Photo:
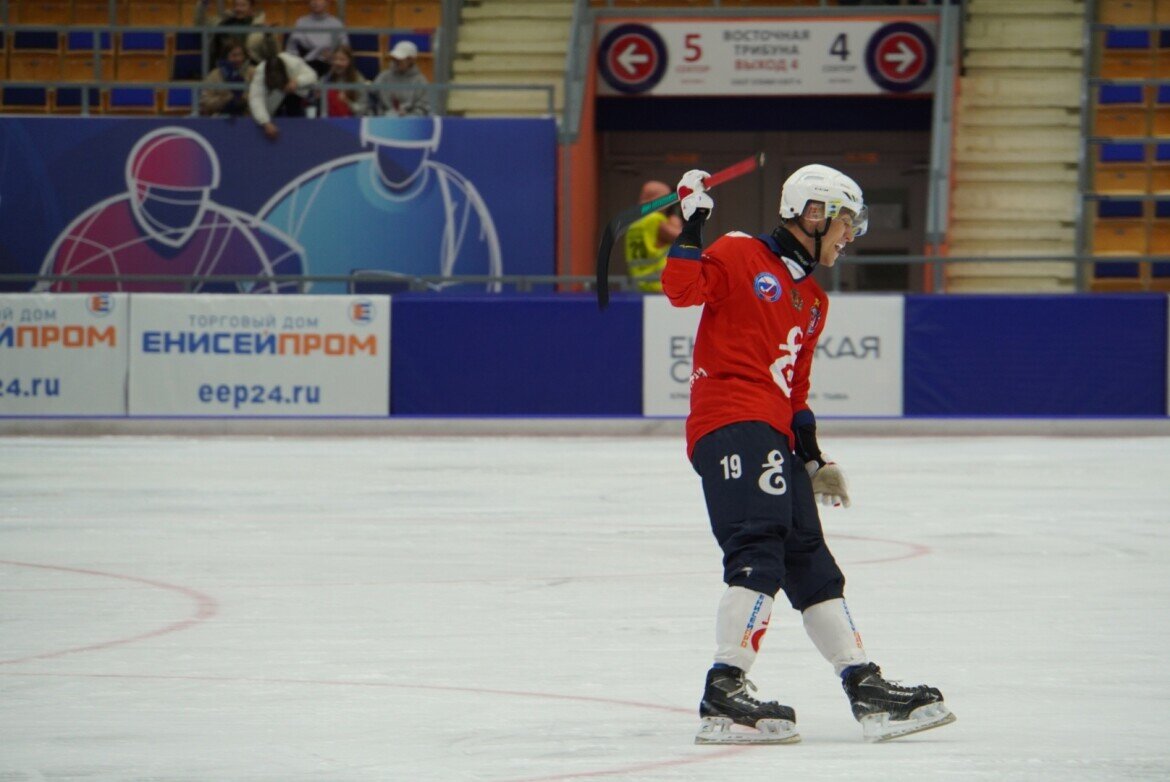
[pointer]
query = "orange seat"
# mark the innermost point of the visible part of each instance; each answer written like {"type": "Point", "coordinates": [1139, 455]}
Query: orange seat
{"type": "Point", "coordinates": [1126, 12]}
{"type": "Point", "coordinates": [97, 12]}
{"type": "Point", "coordinates": [154, 14]}
{"type": "Point", "coordinates": [368, 14]}
{"type": "Point", "coordinates": [1118, 121]}
{"type": "Point", "coordinates": [141, 67]}
{"type": "Point", "coordinates": [1121, 178]}
{"type": "Point", "coordinates": [417, 15]}
{"type": "Point", "coordinates": [1119, 236]}
{"type": "Point", "coordinates": [1160, 237]}
{"type": "Point", "coordinates": [41, 12]}
{"type": "Point", "coordinates": [1127, 64]}
{"type": "Point", "coordinates": [34, 66]}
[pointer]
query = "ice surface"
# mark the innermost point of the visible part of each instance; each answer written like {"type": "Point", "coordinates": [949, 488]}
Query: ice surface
{"type": "Point", "coordinates": [542, 608]}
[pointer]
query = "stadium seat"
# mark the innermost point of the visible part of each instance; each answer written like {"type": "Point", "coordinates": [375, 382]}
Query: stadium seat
{"type": "Point", "coordinates": [187, 67]}
{"type": "Point", "coordinates": [1161, 112]}
{"type": "Point", "coordinates": [24, 99]}
{"type": "Point", "coordinates": [1127, 55]}
{"type": "Point", "coordinates": [154, 13]}
{"type": "Point", "coordinates": [77, 62]}
{"type": "Point", "coordinates": [131, 100]}
{"type": "Point", "coordinates": [420, 16]}
{"type": "Point", "coordinates": [40, 12]}
{"type": "Point", "coordinates": [34, 66]}
{"type": "Point", "coordinates": [142, 57]}
{"type": "Point", "coordinates": [368, 13]}
{"type": "Point", "coordinates": [1121, 111]}
{"type": "Point", "coordinates": [279, 14]}
{"type": "Point", "coordinates": [368, 65]}
{"type": "Point", "coordinates": [97, 12]}
{"type": "Point", "coordinates": [1160, 170]}
{"type": "Point", "coordinates": [68, 100]}
{"type": "Point", "coordinates": [178, 100]}
{"type": "Point", "coordinates": [1120, 228]}
{"type": "Point", "coordinates": [1126, 12]}
{"type": "Point", "coordinates": [34, 56]}
{"type": "Point", "coordinates": [1121, 169]}
{"type": "Point", "coordinates": [364, 42]}
{"type": "Point", "coordinates": [188, 42]}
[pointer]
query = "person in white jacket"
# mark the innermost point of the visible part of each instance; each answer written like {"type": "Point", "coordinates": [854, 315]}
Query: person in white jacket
{"type": "Point", "coordinates": [278, 88]}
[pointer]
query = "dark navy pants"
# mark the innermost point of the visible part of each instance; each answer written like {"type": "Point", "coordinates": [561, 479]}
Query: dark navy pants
{"type": "Point", "coordinates": [764, 515]}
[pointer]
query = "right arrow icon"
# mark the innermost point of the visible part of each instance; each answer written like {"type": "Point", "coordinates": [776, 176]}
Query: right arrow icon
{"type": "Point", "coordinates": [903, 58]}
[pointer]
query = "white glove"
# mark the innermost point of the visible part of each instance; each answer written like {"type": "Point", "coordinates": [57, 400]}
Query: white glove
{"type": "Point", "coordinates": [828, 483]}
{"type": "Point", "coordinates": [692, 193]}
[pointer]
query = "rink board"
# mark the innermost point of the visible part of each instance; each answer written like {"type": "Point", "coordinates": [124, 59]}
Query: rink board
{"type": "Point", "coordinates": [556, 355]}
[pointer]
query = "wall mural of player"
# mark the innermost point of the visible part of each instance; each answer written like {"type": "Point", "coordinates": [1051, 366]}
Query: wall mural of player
{"type": "Point", "coordinates": [388, 211]}
{"type": "Point", "coordinates": [167, 224]}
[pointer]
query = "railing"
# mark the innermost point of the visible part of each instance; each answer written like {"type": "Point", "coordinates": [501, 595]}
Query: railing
{"type": "Point", "coordinates": [322, 102]}
{"type": "Point", "coordinates": [520, 283]}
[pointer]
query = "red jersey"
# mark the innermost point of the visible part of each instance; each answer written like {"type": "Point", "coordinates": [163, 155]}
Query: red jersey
{"type": "Point", "coordinates": [762, 317]}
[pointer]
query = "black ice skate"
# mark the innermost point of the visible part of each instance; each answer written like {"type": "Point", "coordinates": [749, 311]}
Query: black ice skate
{"type": "Point", "coordinates": [887, 710]}
{"type": "Point", "coordinates": [726, 704]}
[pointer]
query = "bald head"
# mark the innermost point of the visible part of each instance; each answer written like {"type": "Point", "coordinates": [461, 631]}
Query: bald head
{"type": "Point", "coordinates": [653, 189]}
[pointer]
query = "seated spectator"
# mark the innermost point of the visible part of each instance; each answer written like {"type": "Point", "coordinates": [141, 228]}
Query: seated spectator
{"type": "Point", "coordinates": [345, 103]}
{"type": "Point", "coordinates": [278, 89]}
{"type": "Point", "coordinates": [397, 87]}
{"type": "Point", "coordinates": [233, 69]}
{"type": "Point", "coordinates": [316, 35]}
{"type": "Point", "coordinates": [241, 14]}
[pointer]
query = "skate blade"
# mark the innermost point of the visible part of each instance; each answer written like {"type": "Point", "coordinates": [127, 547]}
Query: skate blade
{"type": "Point", "coordinates": [879, 727]}
{"type": "Point", "coordinates": [723, 730]}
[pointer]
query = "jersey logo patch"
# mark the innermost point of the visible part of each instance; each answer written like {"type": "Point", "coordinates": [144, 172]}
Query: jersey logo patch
{"type": "Point", "coordinates": [767, 287]}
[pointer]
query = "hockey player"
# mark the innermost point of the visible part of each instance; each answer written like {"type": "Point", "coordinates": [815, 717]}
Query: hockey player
{"type": "Point", "coordinates": [751, 437]}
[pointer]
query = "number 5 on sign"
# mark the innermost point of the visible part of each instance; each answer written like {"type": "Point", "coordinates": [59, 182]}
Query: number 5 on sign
{"type": "Point", "coordinates": [694, 51]}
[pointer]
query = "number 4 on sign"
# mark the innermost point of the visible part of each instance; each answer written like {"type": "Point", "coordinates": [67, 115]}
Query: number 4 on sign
{"type": "Point", "coordinates": [840, 47]}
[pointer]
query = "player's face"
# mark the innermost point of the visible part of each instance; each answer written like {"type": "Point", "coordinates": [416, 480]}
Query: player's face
{"type": "Point", "coordinates": [840, 233]}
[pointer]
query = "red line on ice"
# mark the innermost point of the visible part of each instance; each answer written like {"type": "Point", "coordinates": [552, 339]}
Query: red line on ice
{"type": "Point", "coordinates": [205, 608]}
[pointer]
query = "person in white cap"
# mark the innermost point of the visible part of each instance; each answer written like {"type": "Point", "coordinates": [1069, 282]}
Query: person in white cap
{"type": "Point", "coordinates": [401, 88]}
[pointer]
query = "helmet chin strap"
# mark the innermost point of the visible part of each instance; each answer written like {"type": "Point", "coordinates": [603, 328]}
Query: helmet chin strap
{"type": "Point", "coordinates": [816, 236]}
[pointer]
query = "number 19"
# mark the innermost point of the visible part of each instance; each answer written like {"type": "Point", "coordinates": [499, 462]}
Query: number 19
{"type": "Point", "coordinates": [732, 466]}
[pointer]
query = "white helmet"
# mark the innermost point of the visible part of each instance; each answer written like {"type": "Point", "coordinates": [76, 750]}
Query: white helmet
{"type": "Point", "coordinates": [828, 186]}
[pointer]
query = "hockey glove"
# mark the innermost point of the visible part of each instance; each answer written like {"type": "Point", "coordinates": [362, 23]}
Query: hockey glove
{"type": "Point", "coordinates": [828, 483]}
{"type": "Point", "coordinates": [692, 195]}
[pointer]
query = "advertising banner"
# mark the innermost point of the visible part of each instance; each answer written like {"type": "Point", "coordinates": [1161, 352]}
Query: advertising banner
{"type": "Point", "coordinates": [369, 201]}
{"type": "Point", "coordinates": [668, 342]}
{"type": "Point", "coordinates": [219, 355]}
{"type": "Point", "coordinates": [63, 354]}
{"type": "Point", "coordinates": [728, 57]}
{"type": "Point", "coordinates": [857, 370]}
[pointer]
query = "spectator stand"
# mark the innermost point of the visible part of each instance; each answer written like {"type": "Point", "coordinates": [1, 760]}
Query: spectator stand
{"type": "Point", "coordinates": [137, 57]}
{"type": "Point", "coordinates": [1127, 190]}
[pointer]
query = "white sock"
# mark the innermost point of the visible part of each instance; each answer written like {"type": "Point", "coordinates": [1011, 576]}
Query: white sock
{"type": "Point", "coordinates": [740, 625]}
{"type": "Point", "coordinates": [831, 629]}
